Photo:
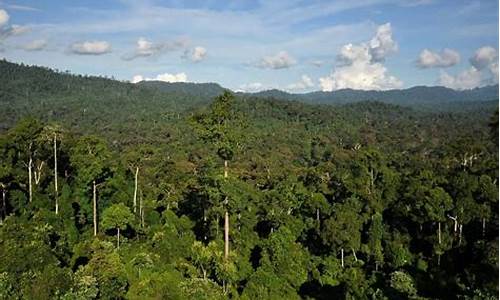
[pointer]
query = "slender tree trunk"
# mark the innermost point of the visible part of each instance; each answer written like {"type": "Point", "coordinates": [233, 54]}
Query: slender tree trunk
{"type": "Point", "coordinates": [226, 236]}
{"type": "Point", "coordinates": [135, 189]}
{"type": "Point", "coordinates": [460, 234]}
{"type": "Point", "coordinates": [30, 165]}
{"type": "Point", "coordinates": [118, 238]}
{"type": "Point", "coordinates": [226, 219]}
{"type": "Point", "coordinates": [439, 260]}
{"type": "Point", "coordinates": [94, 202]}
{"type": "Point", "coordinates": [342, 256]}
{"type": "Point", "coordinates": [439, 232]}
{"type": "Point", "coordinates": [354, 253]}
{"type": "Point", "coordinates": [55, 174]}
{"type": "Point", "coordinates": [4, 203]}
{"type": "Point", "coordinates": [141, 210]}
{"type": "Point", "coordinates": [317, 215]}
{"type": "Point", "coordinates": [484, 227]}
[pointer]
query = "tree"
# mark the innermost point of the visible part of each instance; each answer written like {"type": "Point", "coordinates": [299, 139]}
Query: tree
{"type": "Point", "coordinates": [117, 216]}
{"type": "Point", "coordinates": [343, 229]}
{"type": "Point", "coordinates": [221, 127]}
{"type": "Point", "coordinates": [90, 157]}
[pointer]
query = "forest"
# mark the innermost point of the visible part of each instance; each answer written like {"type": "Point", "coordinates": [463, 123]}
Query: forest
{"type": "Point", "coordinates": [114, 190]}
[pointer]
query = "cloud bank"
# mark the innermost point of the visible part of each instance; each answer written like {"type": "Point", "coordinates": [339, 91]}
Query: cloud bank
{"type": "Point", "coordinates": [483, 71]}
{"type": "Point", "coordinates": [360, 66]}
{"type": "Point", "coordinates": [430, 59]}
{"type": "Point", "coordinates": [166, 77]}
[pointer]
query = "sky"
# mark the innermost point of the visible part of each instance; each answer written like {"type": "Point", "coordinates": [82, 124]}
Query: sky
{"type": "Point", "coordinates": [292, 45]}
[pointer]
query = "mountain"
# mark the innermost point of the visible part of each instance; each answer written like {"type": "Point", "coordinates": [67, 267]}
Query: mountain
{"type": "Point", "coordinates": [419, 96]}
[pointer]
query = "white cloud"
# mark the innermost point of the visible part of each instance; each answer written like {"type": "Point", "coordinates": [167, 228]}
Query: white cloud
{"type": "Point", "coordinates": [90, 48]}
{"type": "Point", "coordinates": [4, 17]}
{"type": "Point", "coordinates": [484, 57]}
{"type": "Point", "coordinates": [483, 71]}
{"type": "Point", "coordinates": [137, 78]}
{"type": "Point", "coordinates": [382, 44]}
{"type": "Point", "coordinates": [145, 48]}
{"type": "Point", "coordinates": [35, 45]}
{"type": "Point", "coordinates": [360, 67]}
{"type": "Point", "coordinates": [304, 83]}
{"type": "Point", "coordinates": [281, 60]}
{"type": "Point", "coordinates": [166, 77]}
{"type": "Point", "coordinates": [430, 59]}
{"type": "Point", "coordinates": [467, 79]}
{"type": "Point", "coordinates": [251, 87]}
{"type": "Point", "coordinates": [196, 54]}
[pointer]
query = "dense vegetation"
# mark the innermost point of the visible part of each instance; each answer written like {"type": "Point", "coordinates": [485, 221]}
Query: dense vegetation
{"type": "Point", "coordinates": [113, 190]}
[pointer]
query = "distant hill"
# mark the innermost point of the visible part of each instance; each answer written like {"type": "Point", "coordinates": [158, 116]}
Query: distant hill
{"type": "Point", "coordinates": [436, 97]}
{"type": "Point", "coordinates": [209, 90]}
{"type": "Point", "coordinates": [426, 97]}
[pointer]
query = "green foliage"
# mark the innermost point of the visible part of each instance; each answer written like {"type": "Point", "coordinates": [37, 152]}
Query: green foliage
{"type": "Point", "coordinates": [385, 184]}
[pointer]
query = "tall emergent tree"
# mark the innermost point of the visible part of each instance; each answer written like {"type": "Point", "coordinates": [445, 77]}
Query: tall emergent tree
{"type": "Point", "coordinates": [90, 156]}
{"type": "Point", "coordinates": [220, 126]}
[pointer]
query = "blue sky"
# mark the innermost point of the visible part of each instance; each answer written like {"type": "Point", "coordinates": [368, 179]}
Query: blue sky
{"type": "Point", "coordinates": [297, 46]}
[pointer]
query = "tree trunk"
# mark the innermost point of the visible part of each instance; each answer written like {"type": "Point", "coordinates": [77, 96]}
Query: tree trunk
{"type": "Point", "coordinates": [135, 189]}
{"type": "Point", "coordinates": [317, 215]}
{"type": "Point", "coordinates": [226, 219]}
{"type": "Point", "coordinates": [55, 174]}
{"type": "Point", "coordinates": [118, 238]}
{"type": "Point", "coordinates": [460, 234]}
{"type": "Point", "coordinates": [342, 256]}
{"type": "Point", "coordinates": [354, 253]}
{"type": "Point", "coordinates": [439, 232]}
{"type": "Point", "coordinates": [4, 210]}
{"type": "Point", "coordinates": [141, 210]}
{"type": "Point", "coordinates": [30, 164]}
{"type": "Point", "coordinates": [94, 202]}
{"type": "Point", "coordinates": [484, 227]}
{"type": "Point", "coordinates": [226, 236]}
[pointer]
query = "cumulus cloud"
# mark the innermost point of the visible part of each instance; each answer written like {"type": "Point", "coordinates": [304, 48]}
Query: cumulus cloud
{"type": "Point", "coordinates": [281, 60]}
{"type": "Point", "coordinates": [90, 48]}
{"type": "Point", "coordinates": [483, 71]}
{"type": "Point", "coordinates": [484, 57]}
{"type": "Point", "coordinates": [382, 44]}
{"type": "Point", "coordinates": [431, 59]}
{"type": "Point", "coordinates": [467, 79]}
{"type": "Point", "coordinates": [145, 48]}
{"type": "Point", "coordinates": [196, 54]}
{"type": "Point", "coordinates": [304, 83]}
{"type": "Point", "coordinates": [360, 66]}
{"type": "Point", "coordinates": [35, 45]}
{"type": "Point", "coordinates": [4, 18]}
{"type": "Point", "coordinates": [166, 77]}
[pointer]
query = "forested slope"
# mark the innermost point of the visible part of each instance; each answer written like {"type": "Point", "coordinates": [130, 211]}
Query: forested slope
{"type": "Point", "coordinates": [365, 200]}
